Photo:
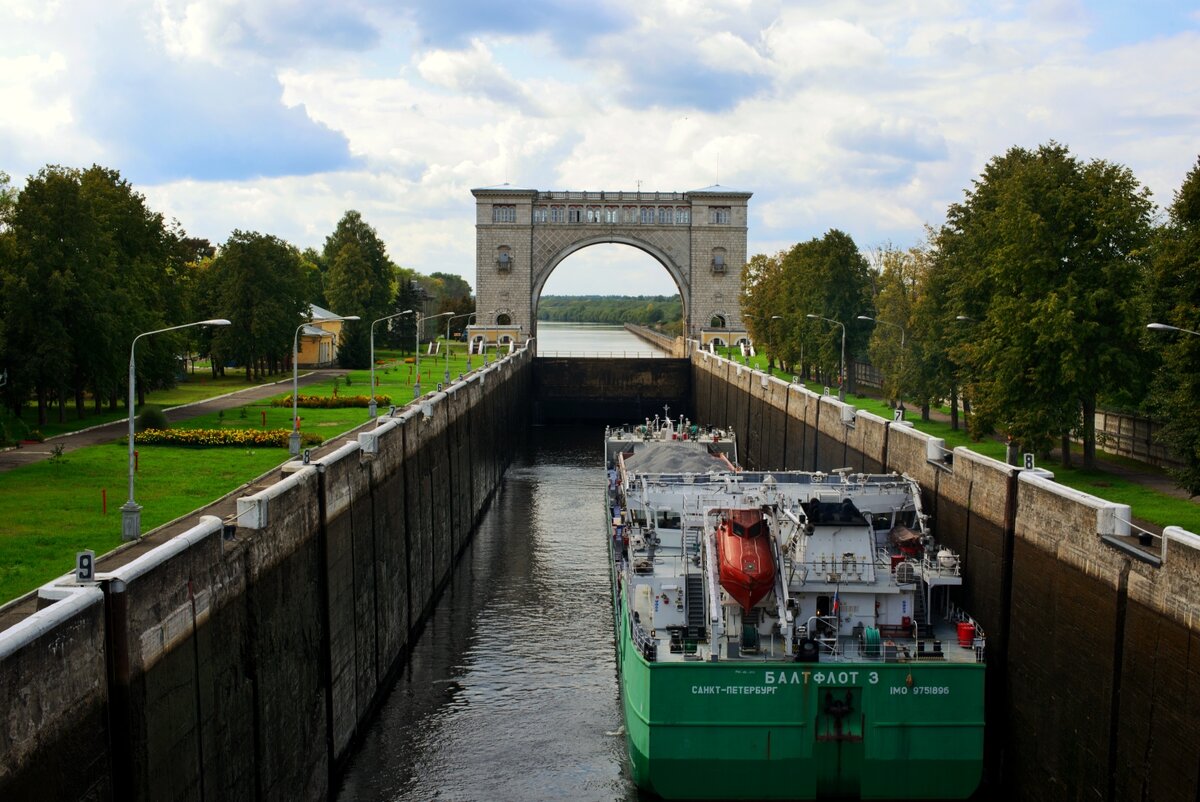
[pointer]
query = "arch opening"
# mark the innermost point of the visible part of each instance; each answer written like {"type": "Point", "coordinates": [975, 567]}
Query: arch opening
{"type": "Point", "coordinates": [610, 265]}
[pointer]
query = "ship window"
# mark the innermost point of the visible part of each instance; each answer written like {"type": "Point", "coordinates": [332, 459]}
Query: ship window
{"type": "Point", "coordinates": [666, 519]}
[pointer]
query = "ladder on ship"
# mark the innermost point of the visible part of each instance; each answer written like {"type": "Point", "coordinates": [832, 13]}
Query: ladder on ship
{"type": "Point", "coordinates": [694, 604]}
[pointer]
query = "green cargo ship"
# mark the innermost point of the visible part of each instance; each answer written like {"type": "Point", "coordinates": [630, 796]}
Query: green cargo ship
{"type": "Point", "coordinates": [785, 635]}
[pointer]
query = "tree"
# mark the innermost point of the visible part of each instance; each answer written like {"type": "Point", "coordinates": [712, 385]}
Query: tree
{"type": "Point", "coordinates": [258, 283]}
{"type": "Point", "coordinates": [896, 287]}
{"type": "Point", "coordinates": [359, 282]}
{"type": "Point", "coordinates": [84, 272]}
{"type": "Point", "coordinates": [1173, 297]}
{"type": "Point", "coordinates": [831, 278]}
{"type": "Point", "coordinates": [1045, 251]}
{"type": "Point", "coordinates": [761, 301]}
{"type": "Point", "coordinates": [452, 293]}
{"type": "Point", "coordinates": [933, 333]}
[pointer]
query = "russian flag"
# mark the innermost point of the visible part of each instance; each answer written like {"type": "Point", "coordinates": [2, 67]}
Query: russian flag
{"type": "Point", "coordinates": [835, 600]}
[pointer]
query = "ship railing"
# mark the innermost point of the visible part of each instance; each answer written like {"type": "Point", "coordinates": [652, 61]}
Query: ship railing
{"type": "Point", "coordinates": [645, 644]}
{"type": "Point", "coordinates": [956, 615]}
{"type": "Point", "coordinates": [934, 566]}
{"type": "Point", "coordinates": [822, 629]}
{"type": "Point", "coordinates": [838, 569]}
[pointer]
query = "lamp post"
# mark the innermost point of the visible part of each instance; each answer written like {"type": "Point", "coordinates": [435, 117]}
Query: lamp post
{"type": "Point", "coordinates": [450, 320]}
{"type": "Point", "coordinates": [294, 437]}
{"type": "Point", "coordinates": [903, 334]}
{"type": "Point", "coordinates": [469, 346]}
{"type": "Point", "coordinates": [371, 406]}
{"type": "Point", "coordinates": [842, 371]}
{"type": "Point", "coordinates": [1165, 327]}
{"type": "Point", "coordinates": [131, 511]}
{"type": "Point", "coordinates": [420, 322]}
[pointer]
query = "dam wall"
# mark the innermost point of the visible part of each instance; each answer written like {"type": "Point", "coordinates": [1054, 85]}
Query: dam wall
{"type": "Point", "coordinates": [1093, 628]}
{"type": "Point", "coordinates": [671, 346]}
{"type": "Point", "coordinates": [241, 658]}
{"type": "Point", "coordinates": [609, 390]}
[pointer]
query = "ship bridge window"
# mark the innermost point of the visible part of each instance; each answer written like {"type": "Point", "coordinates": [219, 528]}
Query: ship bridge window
{"type": "Point", "coordinates": [833, 512]}
{"type": "Point", "coordinates": [666, 519]}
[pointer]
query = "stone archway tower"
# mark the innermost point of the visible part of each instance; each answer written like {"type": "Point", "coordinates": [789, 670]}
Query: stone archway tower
{"type": "Point", "coordinates": [521, 235]}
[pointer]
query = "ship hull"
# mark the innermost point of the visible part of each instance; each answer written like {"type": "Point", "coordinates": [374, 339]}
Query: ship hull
{"type": "Point", "coordinates": [729, 731]}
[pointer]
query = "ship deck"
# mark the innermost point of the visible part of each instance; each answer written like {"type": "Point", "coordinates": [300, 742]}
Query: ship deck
{"type": "Point", "coordinates": [666, 552]}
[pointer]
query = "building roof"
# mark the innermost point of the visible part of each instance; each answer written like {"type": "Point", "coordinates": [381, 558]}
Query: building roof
{"type": "Point", "coordinates": [717, 189]}
{"type": "Point", "coordinates": [504, 188]}
{"type": "Point", "coordinates": [314, 331]}
{"type": "Point", "coordinates": [320, 313]}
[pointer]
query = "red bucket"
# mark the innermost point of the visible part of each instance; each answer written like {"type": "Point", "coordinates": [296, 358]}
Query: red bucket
{"type": "Point", "coordinates": [966, 634]}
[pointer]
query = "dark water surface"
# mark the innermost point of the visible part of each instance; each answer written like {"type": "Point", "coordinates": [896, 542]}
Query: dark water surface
{"type": "Point", "coordinates": [511, 692]}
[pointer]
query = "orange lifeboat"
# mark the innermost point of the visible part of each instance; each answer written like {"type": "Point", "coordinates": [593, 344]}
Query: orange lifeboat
{"type": "Point", "coordinates": [744, 554]}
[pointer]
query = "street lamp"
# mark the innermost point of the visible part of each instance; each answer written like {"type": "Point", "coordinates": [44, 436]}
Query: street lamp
{"type": "Point", "coordinates": [842, 373]}
{"type": "Point", "coordinates": [468, 316]}
{"type": "Point", "coordinates": [131, 511]}
{"type": "Point", "coordinates": [294, 437]}
{"type": "Point", "coordinates": [1165, 327]}
{"type": "Point", "coordinates": [371, 406]}
{"type": "Point", "coordinates": [903, 333]}
{"type": "Point", "coordinates": [420, 322]}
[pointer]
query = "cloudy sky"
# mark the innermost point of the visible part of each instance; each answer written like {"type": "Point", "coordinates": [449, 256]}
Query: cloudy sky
{"type": "Point", "coordinates": [869, 116]}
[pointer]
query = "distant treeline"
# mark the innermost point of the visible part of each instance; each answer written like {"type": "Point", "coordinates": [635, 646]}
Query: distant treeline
{"type": "Point", "coordinates": [645, 310]}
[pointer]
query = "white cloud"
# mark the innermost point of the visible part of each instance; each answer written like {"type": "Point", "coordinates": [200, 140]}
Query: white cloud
{"type": "Point", "coordinates": [801, 46]}
{"type": "Point", "coordinates": [862, 115]}
{"type": "Point", "coordinates": [472, 72]}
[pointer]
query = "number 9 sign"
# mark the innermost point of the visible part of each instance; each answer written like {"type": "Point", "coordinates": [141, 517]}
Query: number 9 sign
{"type": "Point", "coordinates": [85, 566]}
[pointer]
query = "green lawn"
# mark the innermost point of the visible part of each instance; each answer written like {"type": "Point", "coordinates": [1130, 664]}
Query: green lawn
{"type": "Point", "coordinates": [195, 388]}
{"type": "Point", "coordinates": [53, 509]}
{"type": "Point", "coordinates": [396, 378]}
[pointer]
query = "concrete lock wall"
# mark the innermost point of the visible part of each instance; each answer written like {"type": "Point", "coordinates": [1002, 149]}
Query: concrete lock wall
{"type": "Point", "coordinates": [239, 659]}
{"type": "Point", "coordinates": [606, 391]}
{"type": "Point", "coordinates": [1093, 640]}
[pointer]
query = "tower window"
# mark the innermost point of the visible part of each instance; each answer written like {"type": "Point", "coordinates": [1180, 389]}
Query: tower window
{"type": "Point", "coordinates": [504, 214]}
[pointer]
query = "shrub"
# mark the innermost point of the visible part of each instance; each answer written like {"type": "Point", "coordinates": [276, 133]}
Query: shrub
{"type": "Point", "coordinates": [208, 438]}
{"type": "Point", "coordinates": [152, 418]}
{"type": "Point", "coordinates": [331, 401]}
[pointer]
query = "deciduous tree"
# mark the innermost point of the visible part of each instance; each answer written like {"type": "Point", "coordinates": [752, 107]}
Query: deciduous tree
{"type": "Point", "coordinates": [1046, 252]}
{"type": "Point", "coordinates": [1174, 298]}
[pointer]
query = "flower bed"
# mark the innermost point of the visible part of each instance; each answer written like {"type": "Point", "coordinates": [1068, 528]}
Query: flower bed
{"type": "Point", "coordinates": [332, 401]}
{"type": "Point", "coordinates": [222, 437]}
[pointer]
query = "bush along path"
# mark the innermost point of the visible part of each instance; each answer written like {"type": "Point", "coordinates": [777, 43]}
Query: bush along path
{"type": "Point", "coordinates": [116, 430]}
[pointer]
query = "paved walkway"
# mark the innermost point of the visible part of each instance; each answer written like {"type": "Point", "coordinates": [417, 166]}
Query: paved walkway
{"type": "Point", "coordinates": [109, 432]}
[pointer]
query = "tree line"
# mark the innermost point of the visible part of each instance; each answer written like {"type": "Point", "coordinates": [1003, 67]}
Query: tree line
{"type": "Point", "coordinates": [86, 265]}
{"type": "Point", "coordinates": [660, 311]}
{"type": "Point", "coordinates": [1027, 309]}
